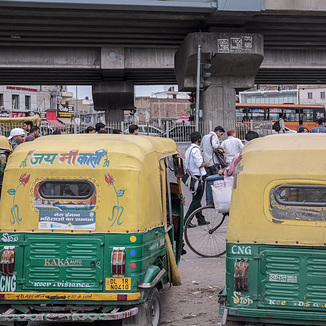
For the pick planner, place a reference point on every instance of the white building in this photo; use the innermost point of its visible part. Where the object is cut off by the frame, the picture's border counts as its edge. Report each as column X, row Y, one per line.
column 18, row 101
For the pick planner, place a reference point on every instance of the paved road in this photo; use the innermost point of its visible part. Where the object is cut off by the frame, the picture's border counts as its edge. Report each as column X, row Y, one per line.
column 195, row 302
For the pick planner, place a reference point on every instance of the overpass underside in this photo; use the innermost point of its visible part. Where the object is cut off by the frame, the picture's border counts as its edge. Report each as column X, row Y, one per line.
column 107, row 43
column 85, row 66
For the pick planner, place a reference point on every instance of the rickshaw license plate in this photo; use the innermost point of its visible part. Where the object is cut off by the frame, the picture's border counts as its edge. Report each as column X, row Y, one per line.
column 118, row 284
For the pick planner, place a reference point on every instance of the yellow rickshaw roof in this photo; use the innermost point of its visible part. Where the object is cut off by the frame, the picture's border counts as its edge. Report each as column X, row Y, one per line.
column 125, row 172
column 137, row 147
column 16, row 122
column 301, row 141
column 4, row 143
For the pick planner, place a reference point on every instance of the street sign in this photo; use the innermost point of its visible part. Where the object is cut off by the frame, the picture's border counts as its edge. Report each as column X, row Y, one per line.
column 184, row 116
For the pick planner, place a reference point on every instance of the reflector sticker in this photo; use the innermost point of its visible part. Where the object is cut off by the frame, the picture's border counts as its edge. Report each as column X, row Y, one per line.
column 133, row 238
column 69, row 296
column 133, row 265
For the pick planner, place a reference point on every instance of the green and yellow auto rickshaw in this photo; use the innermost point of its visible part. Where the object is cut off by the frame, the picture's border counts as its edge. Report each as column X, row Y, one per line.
column 276, row 238
column 91, row 228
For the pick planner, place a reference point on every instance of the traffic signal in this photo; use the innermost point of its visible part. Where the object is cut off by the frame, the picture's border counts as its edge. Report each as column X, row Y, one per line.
column 192, row 97
column 192, row 109
column 206, row 75
column 132, row 111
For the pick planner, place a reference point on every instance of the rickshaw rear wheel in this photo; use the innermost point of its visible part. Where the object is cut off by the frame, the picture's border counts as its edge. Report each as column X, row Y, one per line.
column 207, row 240
column 149, row 312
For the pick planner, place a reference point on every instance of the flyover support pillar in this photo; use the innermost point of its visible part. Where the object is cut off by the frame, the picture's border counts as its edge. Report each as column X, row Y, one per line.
column 113, row 98
column 218, row 103
column 235, row 59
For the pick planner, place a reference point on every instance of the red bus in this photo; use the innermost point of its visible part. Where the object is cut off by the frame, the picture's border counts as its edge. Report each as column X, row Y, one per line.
column 309, row 114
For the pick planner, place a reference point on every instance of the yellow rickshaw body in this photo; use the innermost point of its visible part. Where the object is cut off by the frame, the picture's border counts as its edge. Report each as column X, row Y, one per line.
column 93, row 220
column 275, row 251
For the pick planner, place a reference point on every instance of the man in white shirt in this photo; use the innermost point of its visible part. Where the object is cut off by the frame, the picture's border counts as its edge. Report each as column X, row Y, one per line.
column 195, row 164
column 210, row 142
column 232, row 145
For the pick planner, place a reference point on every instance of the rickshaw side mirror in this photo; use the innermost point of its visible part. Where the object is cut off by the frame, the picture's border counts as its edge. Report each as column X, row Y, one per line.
column 178, row 166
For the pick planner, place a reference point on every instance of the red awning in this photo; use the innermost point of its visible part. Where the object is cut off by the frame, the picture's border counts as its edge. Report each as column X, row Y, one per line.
column 57, row 124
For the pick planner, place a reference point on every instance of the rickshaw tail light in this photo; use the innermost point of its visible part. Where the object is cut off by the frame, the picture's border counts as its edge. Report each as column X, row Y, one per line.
column 118, row 262
column 7, row 265
column 241, row 267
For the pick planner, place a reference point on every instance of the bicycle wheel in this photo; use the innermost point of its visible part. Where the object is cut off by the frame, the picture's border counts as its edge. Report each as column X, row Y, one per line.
column 207, row 240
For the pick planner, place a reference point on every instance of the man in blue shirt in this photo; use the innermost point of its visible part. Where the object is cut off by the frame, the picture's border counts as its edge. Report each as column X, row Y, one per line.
column 321, row 128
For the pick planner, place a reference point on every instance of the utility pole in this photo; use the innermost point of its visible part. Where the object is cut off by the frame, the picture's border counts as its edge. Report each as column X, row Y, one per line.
column 197, row 90
column 76, row 110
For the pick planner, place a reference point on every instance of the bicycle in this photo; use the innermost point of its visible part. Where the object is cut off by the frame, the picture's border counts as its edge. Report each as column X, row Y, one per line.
column 207, row 240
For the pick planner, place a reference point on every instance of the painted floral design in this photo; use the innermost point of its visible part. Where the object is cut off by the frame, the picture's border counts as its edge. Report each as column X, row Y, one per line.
column 117, row 210
column 109, row 179
column 23, row 180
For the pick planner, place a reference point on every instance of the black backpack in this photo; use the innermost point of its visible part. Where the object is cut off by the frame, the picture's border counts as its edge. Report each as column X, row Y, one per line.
column 276, row 126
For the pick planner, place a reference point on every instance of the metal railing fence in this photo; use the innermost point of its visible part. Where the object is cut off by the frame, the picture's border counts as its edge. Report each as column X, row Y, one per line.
column 180, row 132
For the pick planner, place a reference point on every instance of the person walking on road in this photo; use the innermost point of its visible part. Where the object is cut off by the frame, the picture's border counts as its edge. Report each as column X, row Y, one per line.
column 210, row 142
column 321, row 128
column 27, row 125
column 34, row 133
column 301, row 125
column 281, row 124
column 100, row 127
column 16, row 137
column 232, row 146
column 195, row 164
column 133, row 130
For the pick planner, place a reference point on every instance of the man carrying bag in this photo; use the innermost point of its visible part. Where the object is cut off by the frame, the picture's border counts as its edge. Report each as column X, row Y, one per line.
column 210, row 145
column 195, row 169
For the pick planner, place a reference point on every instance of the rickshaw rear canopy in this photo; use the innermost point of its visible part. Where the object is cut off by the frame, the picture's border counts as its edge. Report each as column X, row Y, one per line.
column 124, row 170
column 268, row 162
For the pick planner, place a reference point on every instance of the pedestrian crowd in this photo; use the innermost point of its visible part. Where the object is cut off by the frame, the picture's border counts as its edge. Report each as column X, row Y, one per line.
column 209, row 156
column 279, row 126
column 29, row 132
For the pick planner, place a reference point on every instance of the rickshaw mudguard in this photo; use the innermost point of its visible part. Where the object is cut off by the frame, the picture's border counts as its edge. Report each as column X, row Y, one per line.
column 153, row 276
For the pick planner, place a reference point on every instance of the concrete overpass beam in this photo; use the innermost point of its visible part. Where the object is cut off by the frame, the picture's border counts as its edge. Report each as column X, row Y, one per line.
column 114, row 98
column 235, row 60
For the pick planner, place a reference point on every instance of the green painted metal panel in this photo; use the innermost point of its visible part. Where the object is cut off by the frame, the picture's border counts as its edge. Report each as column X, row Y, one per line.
column 283, row 283
column 79, row 262
column 63, row 262
column 293, row 278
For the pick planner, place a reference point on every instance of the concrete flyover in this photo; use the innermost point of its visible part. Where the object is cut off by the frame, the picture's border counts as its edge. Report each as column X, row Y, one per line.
column 105, row 41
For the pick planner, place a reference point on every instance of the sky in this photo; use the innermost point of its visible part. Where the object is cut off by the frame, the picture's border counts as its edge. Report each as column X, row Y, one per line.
column 83, row 91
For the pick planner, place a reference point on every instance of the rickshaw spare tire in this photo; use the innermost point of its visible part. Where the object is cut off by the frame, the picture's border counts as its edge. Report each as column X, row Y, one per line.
column 149, row 312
